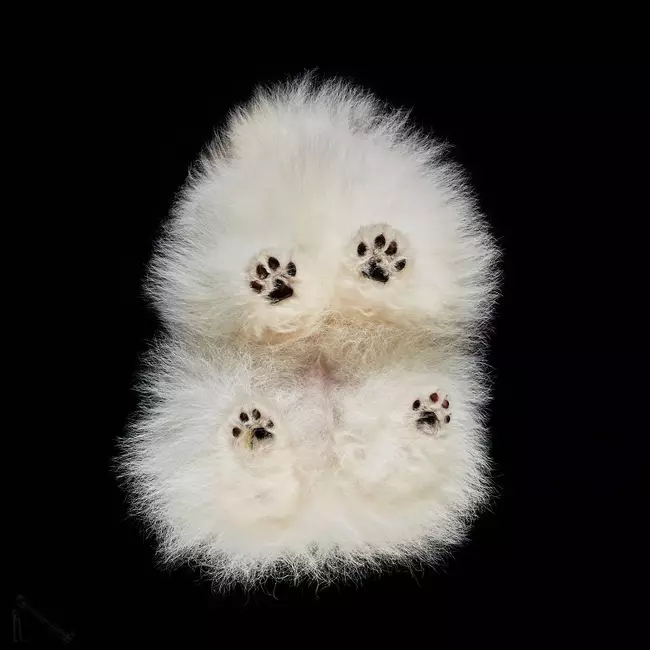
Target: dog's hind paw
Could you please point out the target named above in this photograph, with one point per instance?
(251, 428)
(432, 413)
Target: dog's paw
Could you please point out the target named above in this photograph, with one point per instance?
(271, 279)
(380, 253)
(251, 428)
(432, 413)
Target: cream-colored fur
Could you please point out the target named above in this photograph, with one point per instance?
(315, 407)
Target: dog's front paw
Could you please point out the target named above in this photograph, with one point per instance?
(432, 413)
(271, 279)
(379, 253)
(251, 428)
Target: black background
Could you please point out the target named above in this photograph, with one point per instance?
(553, 153)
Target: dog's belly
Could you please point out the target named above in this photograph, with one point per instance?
(322, 382)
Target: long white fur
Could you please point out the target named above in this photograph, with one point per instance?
(348, 482)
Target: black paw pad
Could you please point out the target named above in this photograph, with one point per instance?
(375, 272)
(281, 292)
(261, 433)
(428, 419)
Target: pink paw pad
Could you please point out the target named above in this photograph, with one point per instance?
(430, 416)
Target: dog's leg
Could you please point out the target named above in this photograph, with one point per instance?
(397, 433)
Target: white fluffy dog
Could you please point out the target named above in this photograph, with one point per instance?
(315, 406)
